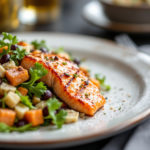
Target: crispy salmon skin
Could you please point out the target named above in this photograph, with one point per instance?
(67, 81)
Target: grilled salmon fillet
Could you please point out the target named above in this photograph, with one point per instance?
(67, 81)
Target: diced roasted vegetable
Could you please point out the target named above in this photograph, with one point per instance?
(11, 99)
(21, 109)
(41, 105)
(7, 116)
(2, 71)
(5, 88)
(35, 117)
(9, 64)
(72, 116)
(22, 43)
(17, 75)
(23, 91)
(36, 100)
(96, 82)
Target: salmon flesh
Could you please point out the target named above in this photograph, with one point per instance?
(68, 82)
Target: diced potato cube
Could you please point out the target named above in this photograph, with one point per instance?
(9, 64)
(72, 116)
(36, 100)
(2, 71)
(23, 91)
(5, 88)
(21, 109)
(41, 105)
(17, 75)
(11, 99)
(7, 116)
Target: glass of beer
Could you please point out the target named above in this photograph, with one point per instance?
(9, 15)
(40, 11)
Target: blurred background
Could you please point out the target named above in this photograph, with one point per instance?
(126, 22)
(71, 16)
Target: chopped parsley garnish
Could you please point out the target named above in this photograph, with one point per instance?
(75, 75)
(25, 100)
(36, 73)
(39, 44)
(38, 89)
(57, 118)
(5, 128)
(86, 95)
(6, 42)
(64, 63)
(18, 54)
(102, 80)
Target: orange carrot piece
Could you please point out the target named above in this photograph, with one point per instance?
(23, 91)
(22, 43)
(35, 117)
(17, 75)
(7, 116)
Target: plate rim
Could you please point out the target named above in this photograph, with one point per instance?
(87, 138)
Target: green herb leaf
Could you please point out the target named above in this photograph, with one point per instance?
(59, 118)
(64, 63)
(2, 101)
(8, 40)
(101, 80)
(12, 39)
(36, 72)
(27, 127)
(18, 54)
(5, 128)
(75, 75)
(25, 100)
(38, 89)
(39, 44)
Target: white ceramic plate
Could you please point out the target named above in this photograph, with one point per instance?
(128, 101)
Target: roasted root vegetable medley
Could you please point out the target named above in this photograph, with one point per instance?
(41, 87)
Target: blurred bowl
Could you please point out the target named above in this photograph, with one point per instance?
(128, 14)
